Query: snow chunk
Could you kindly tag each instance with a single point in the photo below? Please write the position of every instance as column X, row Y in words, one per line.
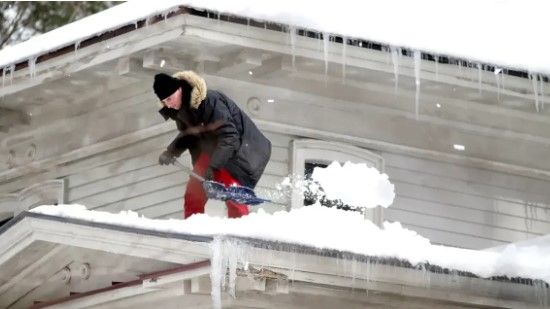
column 355, row 184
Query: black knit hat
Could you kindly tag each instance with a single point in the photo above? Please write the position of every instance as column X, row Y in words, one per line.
column 165, row 85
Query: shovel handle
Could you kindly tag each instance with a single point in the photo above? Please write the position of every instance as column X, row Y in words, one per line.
column 189, row 171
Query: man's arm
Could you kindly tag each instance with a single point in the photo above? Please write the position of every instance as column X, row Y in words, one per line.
column 228, row 136
column 181, row 143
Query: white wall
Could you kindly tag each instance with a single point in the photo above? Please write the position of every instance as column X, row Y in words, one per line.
column 466, row 207
column 450, row 204
column 138, row 183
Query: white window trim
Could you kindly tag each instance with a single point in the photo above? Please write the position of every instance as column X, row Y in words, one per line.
column 303, row 150
column 46, row 192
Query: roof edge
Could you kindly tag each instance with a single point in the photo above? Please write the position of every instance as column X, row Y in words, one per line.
column 109, row 34
column 275, row 246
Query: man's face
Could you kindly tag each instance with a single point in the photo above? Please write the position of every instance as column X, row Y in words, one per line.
column 173, row 101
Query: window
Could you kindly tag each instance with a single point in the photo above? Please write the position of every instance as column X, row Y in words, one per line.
column 309, row 153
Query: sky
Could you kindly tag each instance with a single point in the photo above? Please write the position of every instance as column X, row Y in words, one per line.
column 349, row 230
column 501, row 32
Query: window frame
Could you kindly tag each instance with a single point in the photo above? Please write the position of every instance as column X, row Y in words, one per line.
column 312, row 150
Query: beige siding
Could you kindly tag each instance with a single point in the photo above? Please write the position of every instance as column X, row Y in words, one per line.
column 138, row 183
column 466, row 207
column 448, row 203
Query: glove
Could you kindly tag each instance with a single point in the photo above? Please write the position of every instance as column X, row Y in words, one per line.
column 209, row 175
column 167, row 157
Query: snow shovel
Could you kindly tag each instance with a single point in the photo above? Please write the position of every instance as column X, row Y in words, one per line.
column 218, row 191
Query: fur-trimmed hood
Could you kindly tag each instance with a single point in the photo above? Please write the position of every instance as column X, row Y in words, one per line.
column 198, row 94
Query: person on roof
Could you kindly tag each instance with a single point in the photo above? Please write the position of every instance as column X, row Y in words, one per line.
column 225, row 145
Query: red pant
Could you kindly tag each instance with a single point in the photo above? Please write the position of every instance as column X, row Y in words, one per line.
column 195, row 198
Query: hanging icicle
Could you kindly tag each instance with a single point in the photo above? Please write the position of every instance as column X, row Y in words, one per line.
column 417, row 61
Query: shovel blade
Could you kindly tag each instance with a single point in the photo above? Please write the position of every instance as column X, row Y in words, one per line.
column 239, row 194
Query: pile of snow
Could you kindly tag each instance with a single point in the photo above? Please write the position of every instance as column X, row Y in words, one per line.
column 355, row 184
column 330, row 228
column 482, row 33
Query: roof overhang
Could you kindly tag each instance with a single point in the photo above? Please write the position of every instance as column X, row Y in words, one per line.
column 42, row 253
column 257, row 59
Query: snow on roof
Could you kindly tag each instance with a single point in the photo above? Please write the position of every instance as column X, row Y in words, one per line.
column 506, row 33
column 111, row 19
column 330, row 228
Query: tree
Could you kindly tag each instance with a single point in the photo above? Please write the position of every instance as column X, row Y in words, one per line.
column 20, row 20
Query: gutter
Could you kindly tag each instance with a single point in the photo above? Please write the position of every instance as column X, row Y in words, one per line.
column 426, row 56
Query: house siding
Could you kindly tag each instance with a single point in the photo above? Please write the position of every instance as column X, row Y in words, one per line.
column 450, row 204
column 464, row 206
column 138, row 183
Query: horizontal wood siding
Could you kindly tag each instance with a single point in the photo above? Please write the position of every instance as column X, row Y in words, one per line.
column 466, row 207
column 135, row 181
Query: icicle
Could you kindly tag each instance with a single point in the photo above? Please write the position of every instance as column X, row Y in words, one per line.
column 353, row 272
column 479, row 77
column 3, row 79
column 326, row 38
column 497, row 77
column 367, row 271
column 32, row 66
column 76, row 47
column 11, row 71
column 542, row 90
column 417, row 57
column 344, row 58
column 395, row 52
column 292, row 276
column 533, row 79
column 436, row 68
column 428, row 278
column 386, row 51
column 219, row 18
column 232, row 251
column 292, row 32
column 248, row 24
column 217, row 272
column 541, row 292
